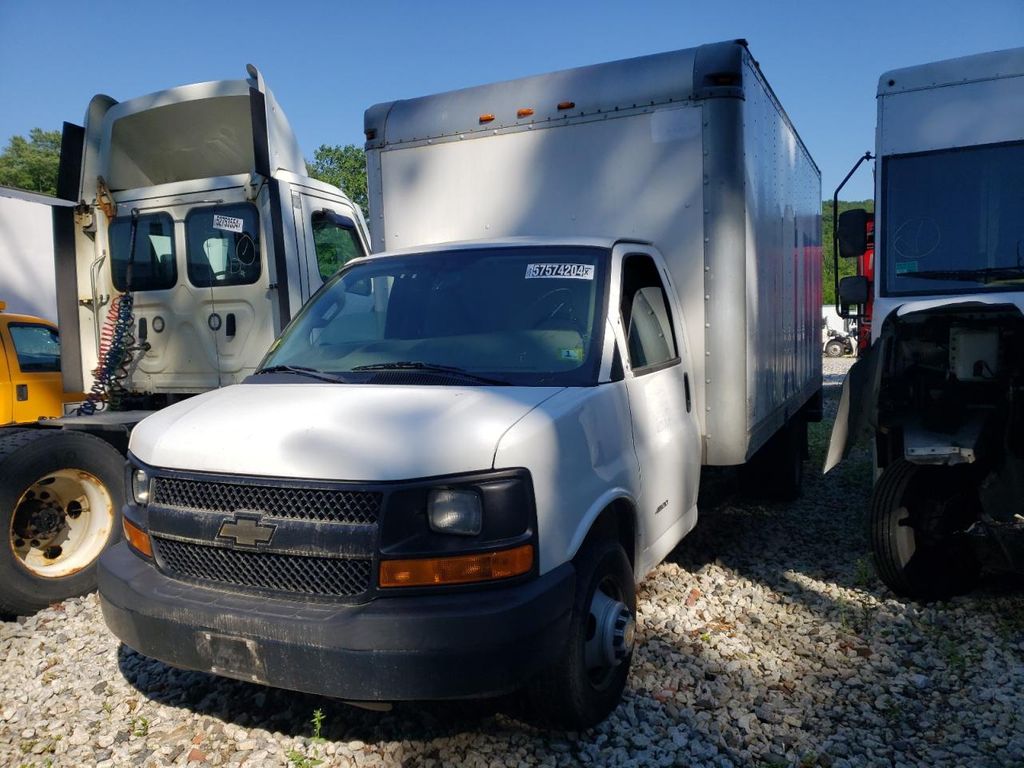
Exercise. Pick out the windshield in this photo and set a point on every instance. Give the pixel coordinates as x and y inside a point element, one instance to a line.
<point>523,316</point>
<point>954,221</point>
<point>153,266</point>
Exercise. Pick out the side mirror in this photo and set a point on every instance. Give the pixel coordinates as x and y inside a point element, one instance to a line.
<point>854,290</point>
<point>852,232</point>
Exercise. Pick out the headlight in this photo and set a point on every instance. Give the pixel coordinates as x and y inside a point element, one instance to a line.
<point>458,512</point>
<point>140,486</point>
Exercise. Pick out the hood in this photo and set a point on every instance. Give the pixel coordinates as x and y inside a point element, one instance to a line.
<point>358,432</point>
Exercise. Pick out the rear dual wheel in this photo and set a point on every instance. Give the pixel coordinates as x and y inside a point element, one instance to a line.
<point>60,500</point>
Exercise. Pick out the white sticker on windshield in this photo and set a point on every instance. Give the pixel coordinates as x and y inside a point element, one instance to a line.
<point>571,271</point>
<point>227,223</point>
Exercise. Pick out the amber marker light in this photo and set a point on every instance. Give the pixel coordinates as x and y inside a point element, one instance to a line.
<point>564,105</point>
<point>461,569</point>
<point>524,112</point>
<point>137,537</point>
<point>486,118</point>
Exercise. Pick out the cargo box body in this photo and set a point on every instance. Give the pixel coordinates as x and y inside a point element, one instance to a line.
<point>689,150</point>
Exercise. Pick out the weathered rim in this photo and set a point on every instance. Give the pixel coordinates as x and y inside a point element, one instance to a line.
<point>61,523</point>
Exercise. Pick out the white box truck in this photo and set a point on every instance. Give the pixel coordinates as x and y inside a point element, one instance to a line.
<point>940,390</point>
<point>457,462</point>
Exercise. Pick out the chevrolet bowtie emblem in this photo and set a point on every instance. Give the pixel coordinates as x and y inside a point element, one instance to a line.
<point>246,531</point>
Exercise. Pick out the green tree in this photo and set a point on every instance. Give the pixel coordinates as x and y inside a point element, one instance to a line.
<point>344,167</point>
<point>846,266</point>
<point>31,163</point>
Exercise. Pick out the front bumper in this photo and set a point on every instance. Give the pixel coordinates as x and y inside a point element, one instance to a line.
<point>469,644</point>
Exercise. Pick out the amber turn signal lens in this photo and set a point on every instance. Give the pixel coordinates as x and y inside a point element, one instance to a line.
<point>137,537</point>
<point>524,112</point>
<point>462,569</point>
<point>486,118</point>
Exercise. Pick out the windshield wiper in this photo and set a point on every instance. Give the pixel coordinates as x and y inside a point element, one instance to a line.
<point>301,370</point>
<point>413,365</point>
<point>984,275</point>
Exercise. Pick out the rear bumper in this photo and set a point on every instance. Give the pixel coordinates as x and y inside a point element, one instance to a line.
<point>461,645</point>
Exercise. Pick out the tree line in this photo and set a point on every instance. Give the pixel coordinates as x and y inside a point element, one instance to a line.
<point>30,163</point>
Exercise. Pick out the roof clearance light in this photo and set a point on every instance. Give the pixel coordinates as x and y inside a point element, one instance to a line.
<point>371,134</point>
<point>724,78</point>
<point>524,112</point>
<point>486,117</point>
<point>564,105</point>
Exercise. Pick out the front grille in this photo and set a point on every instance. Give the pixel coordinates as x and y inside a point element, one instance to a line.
<point>310,575</point>
<point>325,505</point>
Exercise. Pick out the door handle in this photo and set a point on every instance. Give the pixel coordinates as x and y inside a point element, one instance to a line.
<point>22,392</point>
<point>143,329</point>
<point>686,389</point>
<point>231,326</point>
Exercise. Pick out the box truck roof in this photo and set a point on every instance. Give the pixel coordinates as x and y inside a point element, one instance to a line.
<point>967,69</point>
<point>708,71</point>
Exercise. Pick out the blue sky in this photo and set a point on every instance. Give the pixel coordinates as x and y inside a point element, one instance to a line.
<point>326,62</point>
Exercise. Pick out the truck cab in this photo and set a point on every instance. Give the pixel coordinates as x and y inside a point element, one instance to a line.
<point>939,389</point>
<point>192,237</point>
<point>461,431</point>
<point>30,382</point>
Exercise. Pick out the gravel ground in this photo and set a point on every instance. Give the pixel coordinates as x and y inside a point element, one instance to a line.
<point>765,640</point>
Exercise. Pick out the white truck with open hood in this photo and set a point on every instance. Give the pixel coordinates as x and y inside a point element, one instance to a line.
<point>940,390</point>
<point>193,236</point>
<point>456,463</point>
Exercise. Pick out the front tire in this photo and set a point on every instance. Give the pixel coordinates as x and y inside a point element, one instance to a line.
<point>60,504</point>
<point>583,687</point>
<point>834,349</point>
<point>917,518</point>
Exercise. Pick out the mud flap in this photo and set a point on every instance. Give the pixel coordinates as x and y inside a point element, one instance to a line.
<point>857,405</point>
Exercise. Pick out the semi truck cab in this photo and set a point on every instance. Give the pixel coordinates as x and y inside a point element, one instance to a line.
<point>192,236</point>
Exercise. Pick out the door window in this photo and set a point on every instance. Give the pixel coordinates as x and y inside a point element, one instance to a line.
<point>37,347</point>
<point>335,240</point>
<point>646,316</point>
<point>223,245</point>
<point>153,266</point>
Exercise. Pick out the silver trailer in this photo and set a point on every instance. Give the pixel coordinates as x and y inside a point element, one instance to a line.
<point>689,150</point>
